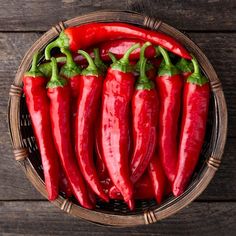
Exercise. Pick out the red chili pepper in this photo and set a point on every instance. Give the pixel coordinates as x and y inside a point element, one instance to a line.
<point>64,184</point>
<point>87,109</point>
<point>193,126</point>
<point>71,71</point>
<point>116,100</point>
<point>38,107</point>
<point>186,68</point>
<point>87,35</point>
<point>120,46</point>
<point>143,190</point>
<point>169,85</point>
<point>144,121</point>
<point>60,95</point>
<point>158,178</point>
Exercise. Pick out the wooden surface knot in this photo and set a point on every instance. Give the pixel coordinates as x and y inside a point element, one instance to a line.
<point>59,27</point>
<point>15,90</point>
<point>20,154</point>
<point>152,23</point>
<point>216,85</point>
<point>213,163</point>
<point>149,217</point>
<point>66,206</point>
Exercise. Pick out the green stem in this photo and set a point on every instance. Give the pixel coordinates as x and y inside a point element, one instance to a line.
<point>56,80</point>
<point>143,77</point>
<point>92,68</point>
<point>34,70</point>
<point>101,66</point>
<point>34,66</point>
<point>157,51</point>
<point>143,48</point>
<point>165,55</point>
<point>195,65</point>
<point>125,58</point>
<point>196,77</point>
<point>55,75</point>
<point>69,59</point>
<point>142,63</point>
<point>48,49</point>
<point>97,57</point>
<point>112,56</point>
<point>62,42</point>
<point>142,56</point>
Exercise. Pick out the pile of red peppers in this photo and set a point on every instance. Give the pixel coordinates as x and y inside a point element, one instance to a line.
<point>119,113</point>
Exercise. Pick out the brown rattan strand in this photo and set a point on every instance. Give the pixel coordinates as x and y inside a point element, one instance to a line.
<point>114,214</point>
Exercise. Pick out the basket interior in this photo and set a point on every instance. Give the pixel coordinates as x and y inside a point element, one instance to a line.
<point>117,206</point>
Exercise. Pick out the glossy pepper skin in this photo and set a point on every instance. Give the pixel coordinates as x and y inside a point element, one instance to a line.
<point>64,184</point>
<point>144,121</point>
<point>87,108</point>
<point>38,107</point>
<point>169,85</point>
<point>143,190</point>
<point>59,94</point>
<point>95,33</point>
<point>120,46</point>
<point>196,96</point>
<point>116,100</point>
<point>158,178</point>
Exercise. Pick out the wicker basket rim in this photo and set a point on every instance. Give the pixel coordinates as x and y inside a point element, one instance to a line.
<point>217,142</point>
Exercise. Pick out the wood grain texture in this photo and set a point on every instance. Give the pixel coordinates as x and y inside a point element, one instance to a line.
<point>41,218</point>
<point>187,15</point>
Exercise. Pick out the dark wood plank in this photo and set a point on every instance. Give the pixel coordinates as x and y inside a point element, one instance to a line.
<point>41,218</point>
<point>186,15</point>
<point>218,47</point>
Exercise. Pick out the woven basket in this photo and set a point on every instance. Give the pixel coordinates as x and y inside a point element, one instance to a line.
<point>116,213</point>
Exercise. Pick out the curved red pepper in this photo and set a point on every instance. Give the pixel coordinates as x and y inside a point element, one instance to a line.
<point>38,107</point>
<point>95,33</point>
<point>144,121</point>
<point>193,126</point>
<point>87,108</point>
<point>59,95</point>
<point>169,85</point>
<point>158,178</point>
<point>116,99</point>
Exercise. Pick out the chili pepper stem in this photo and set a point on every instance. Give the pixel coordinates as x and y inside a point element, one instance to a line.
<point>55,80</point>
<point>69,59</point>
<point>167,68</point>
<point>185,65</point>
<point>165,56</point>
<point>91,68</point>
<point>34,70</point>
<point>62,42</point>
<point>195,66</point>
<point>143,81</point>
<point>101,66</point>
<point>125,58</point>
<point>123,64</point>
<point>112,56</point>
<point>34,63</point>
<point>196,77</point>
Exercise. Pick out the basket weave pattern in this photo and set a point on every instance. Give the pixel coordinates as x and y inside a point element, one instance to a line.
<point>116,213</point>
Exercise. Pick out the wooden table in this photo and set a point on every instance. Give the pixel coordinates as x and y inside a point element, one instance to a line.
<point>211,24</point>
